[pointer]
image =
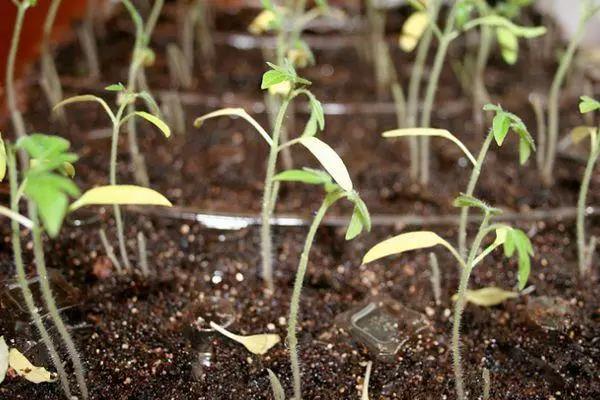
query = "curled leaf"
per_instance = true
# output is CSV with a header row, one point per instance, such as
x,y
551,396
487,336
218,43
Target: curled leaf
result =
x,y
488,297
403,243
256,344
330,160
235,112
121,195
26,369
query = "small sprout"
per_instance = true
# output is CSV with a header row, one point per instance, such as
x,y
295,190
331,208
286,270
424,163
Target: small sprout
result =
x,y
276,387
3,358
256,344
121,195
365,391
26,369
488,296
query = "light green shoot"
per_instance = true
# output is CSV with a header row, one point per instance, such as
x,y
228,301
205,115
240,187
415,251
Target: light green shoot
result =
x,y
118,119
585,251
510,238
336,189
550,138
282,76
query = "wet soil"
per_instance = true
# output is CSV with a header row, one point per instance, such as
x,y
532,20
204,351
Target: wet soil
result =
x,y
133,332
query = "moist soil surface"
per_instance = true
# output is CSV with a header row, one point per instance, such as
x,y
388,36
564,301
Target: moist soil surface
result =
x,y
135,334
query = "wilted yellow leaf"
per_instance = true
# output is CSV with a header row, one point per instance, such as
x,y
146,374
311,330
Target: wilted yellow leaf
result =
x,y
488,297
121,195
262,22
27,370
256,344
412,30
403,243
330,160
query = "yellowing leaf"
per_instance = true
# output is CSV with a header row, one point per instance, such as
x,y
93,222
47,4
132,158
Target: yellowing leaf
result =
x,y
581,132
431,132
256,344
403,243
412,30
3,358
330,160
159,123
282,88
489,296
121,195
85,98
235,112
26,369
262,22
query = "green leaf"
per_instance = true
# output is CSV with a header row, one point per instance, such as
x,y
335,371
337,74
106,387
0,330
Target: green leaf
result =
x,y
361,207
267,4
509,45
330,160
317,110
500,127
403,243
518,240
2,159
311,126
86,98
164,128
276,386
41,146
355,226
273,77
115,87
322,4
501,22
465,200
489,296
524,151
306,175
587,104
463,13
121,195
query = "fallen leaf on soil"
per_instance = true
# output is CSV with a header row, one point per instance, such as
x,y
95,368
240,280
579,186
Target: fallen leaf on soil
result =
x,y
3,358
489,296
256,344
26,369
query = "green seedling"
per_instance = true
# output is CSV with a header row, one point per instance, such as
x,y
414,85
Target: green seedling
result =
x,y
548,140
256,344
87,38
510,238
503,122
365,391
384,74
337,185
50,80
142,57
284,77
47,186
586,251
421,26
276,386
118,119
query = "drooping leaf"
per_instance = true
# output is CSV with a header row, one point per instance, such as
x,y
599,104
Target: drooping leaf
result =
x,y
330,160
431,132
121,195
581,132
509,45
465,200
403,243
355,226
86,98
588,104
159,123
256,344
306,175
499,21
488,296
413,30
26,369
518,240
235,112
276,386
3,358
115,87
500,127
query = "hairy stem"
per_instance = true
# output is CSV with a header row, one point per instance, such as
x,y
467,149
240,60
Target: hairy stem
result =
x,y
267,207
22,278
292,340
585,184
42,272
479,90
464,212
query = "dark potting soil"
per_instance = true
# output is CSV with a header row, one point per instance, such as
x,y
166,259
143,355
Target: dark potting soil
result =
x,y
133,333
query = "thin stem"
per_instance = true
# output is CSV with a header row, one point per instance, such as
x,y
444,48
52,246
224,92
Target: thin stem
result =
x,y
479,90
292,340
109,251
42,272
11,99
143,254
464,212
22,278
267,207
555,91
582,252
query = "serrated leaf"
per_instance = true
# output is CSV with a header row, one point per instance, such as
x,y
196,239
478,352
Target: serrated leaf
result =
x,y
273,77
26,369
489,296
509,45
355,225
3,358
121,195
41,146
465,200
256,344
588,104
159,123
330,160
413,30
276,386
310,176
403,243
431,132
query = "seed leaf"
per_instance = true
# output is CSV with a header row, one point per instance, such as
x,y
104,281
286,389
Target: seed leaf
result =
x,y
121,195
509,45
276,386
3,358
85,98
256,344
413,30
26,369
403,243
235,112
159,123
498,21
355,226
2,159
587,104
330,160
272,78
306,175
489,296
115,87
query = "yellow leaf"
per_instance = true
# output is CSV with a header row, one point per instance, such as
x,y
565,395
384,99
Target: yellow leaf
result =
x,y
509,44
159,123
431,132
235,112
3,358
2,159
488,297
26,369
412,30
261,23
579,133
121,195
256,344
282,88
330,160
403,243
